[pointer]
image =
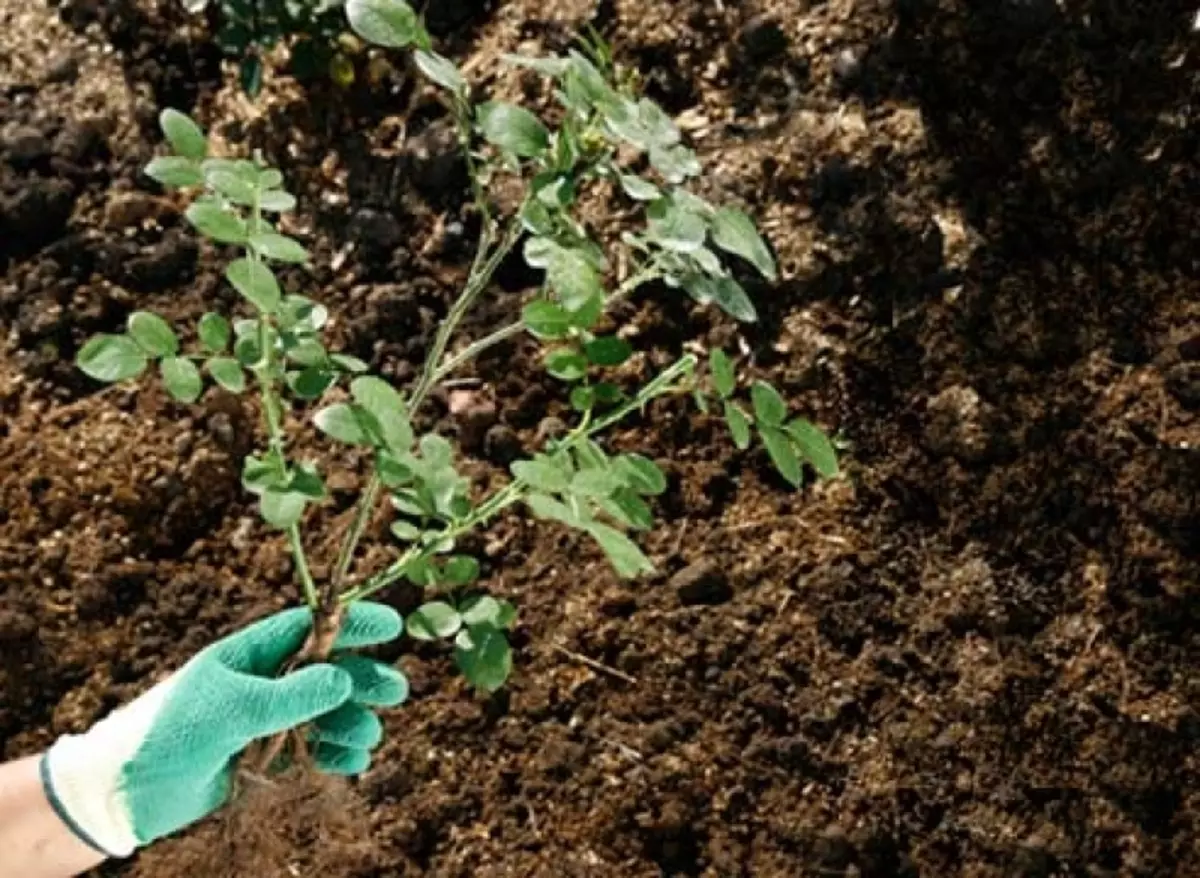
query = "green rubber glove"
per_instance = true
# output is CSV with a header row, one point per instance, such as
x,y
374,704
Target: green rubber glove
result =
x,y
166,760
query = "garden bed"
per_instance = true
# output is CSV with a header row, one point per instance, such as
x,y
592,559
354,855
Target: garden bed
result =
x,y
975,653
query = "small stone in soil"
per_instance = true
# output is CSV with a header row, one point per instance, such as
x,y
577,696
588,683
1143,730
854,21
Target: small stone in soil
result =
x,y
24,146
501,444
701,583
63,68
762,39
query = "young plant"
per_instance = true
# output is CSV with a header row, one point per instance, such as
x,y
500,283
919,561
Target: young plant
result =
x,y
276,346
313,30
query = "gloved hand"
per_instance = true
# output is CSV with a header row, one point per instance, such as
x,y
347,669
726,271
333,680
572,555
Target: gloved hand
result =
x,y
167,759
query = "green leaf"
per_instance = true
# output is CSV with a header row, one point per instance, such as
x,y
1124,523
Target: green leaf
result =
x,y
725,292
723,375
182,379
676,163
629,509
154,334
541,475
674,227
216,222
583,398
227,372
483,655
277,201
259,476
608,350
215,332
769,408
341,422
282,508
111,358
574,278
461,570
256,282
739,425
783,455
623,553
394,474
348,363
814,446
405,531
642,474
589,455
312,381
553,510
281,248
306,480
389,23
184,135
247,350
437,450
484,610
420,572
304,351
639,189
734,232
546,320
174,171
513,129
234,186
566,364
388,408
595,483
250,75
440,70
433,620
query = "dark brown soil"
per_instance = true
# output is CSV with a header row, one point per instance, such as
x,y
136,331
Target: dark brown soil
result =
x,y
977,654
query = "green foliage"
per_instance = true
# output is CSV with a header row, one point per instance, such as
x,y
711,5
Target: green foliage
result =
x,y
607,141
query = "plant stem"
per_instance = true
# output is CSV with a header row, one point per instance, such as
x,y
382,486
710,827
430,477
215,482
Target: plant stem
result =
x,y
513,492
264,371
651,271
487,260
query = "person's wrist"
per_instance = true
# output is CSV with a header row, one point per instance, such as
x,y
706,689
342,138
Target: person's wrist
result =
x,y
82,775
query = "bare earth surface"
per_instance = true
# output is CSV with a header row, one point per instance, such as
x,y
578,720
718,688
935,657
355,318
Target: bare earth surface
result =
x,y
977,654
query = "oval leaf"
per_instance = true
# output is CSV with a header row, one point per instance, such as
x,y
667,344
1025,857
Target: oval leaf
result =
x,y
541,475
182,379
461,570
814,446
174,171
642,474
513,129
769,407
724,292
389,23
566,364
783,455
433,620
723,375
111,358
215,332
623,553
388,408
484,657
154,334
227,372
734,232
277,201
184,135
214,221
281,248
339,421
546,320
441,70
282,508
608,351
256,282
739,425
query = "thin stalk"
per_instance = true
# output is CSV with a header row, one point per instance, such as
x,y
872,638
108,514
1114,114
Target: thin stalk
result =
x,y
514,491
265,373
482,269
649,272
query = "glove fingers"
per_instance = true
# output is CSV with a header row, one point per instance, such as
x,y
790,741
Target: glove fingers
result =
x,y
350,726
375,683
262,647
335,759
272,706
368,623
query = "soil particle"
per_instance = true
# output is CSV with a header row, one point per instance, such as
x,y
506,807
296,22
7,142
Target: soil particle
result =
x,y
701,583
